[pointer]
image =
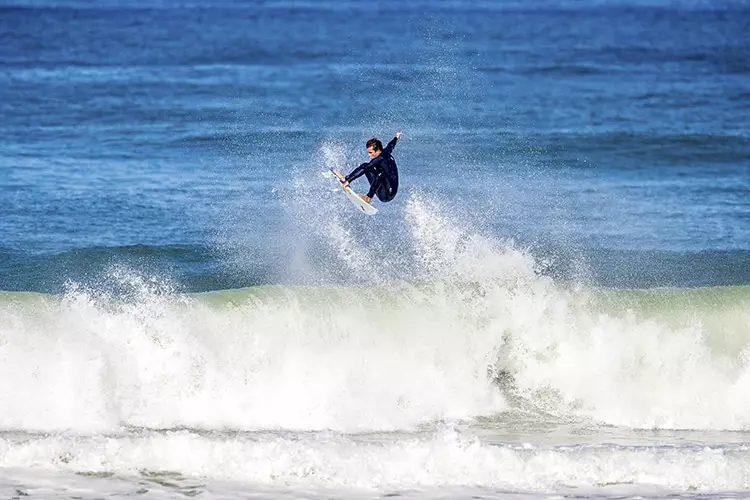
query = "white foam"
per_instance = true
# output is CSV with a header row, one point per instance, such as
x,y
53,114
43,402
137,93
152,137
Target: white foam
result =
x,y
169,361
385,356
442,460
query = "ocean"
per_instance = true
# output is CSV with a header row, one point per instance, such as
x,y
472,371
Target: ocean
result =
x,y
555,305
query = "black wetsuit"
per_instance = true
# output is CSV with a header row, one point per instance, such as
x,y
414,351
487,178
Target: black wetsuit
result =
x,y
382,174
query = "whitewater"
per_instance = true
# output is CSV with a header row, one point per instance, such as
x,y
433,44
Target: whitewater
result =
x,y
483,376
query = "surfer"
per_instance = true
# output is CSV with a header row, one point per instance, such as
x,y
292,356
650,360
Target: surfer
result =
x,y
381,171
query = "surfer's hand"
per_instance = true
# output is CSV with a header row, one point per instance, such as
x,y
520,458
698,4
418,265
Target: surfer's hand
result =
x,y
345,184
399,134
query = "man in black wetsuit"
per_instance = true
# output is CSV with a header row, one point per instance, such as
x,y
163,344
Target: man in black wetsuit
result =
x,y
381,171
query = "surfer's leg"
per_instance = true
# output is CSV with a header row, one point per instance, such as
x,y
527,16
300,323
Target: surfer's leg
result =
x,y
386,190
376,181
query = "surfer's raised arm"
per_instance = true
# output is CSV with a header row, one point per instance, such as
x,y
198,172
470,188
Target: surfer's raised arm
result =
x,y
389,147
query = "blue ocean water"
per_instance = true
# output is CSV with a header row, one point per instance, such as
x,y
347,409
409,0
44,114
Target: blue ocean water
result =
x,y
612,134
556,303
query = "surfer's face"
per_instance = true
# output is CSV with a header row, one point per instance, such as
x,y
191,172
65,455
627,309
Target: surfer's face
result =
x,y
373,153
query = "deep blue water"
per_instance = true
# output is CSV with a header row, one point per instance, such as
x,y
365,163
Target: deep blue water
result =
x,y
610,139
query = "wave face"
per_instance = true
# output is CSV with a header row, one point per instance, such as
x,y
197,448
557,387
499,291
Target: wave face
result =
x,y
491,335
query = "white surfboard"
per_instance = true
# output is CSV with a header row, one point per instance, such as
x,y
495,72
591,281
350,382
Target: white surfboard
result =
x,y
354,197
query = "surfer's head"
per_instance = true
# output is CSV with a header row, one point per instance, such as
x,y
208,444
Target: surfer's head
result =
x,y
374,148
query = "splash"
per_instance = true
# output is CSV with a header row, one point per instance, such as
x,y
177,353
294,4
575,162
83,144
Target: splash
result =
x,y
474,331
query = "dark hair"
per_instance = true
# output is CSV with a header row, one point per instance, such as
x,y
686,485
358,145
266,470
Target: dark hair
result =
x,y
375,144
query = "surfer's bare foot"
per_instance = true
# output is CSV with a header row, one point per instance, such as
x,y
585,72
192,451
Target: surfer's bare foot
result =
x,y
365,197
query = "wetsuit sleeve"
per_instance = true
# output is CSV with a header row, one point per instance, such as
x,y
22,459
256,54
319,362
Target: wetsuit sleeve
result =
x,y
360,170
389,147
357,172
